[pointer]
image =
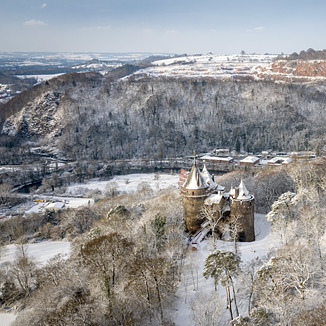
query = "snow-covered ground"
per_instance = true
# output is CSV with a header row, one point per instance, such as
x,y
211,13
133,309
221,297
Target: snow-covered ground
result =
x,y
39,78
127,183
211,65
124,184
70,202
6,319
195,261
40,252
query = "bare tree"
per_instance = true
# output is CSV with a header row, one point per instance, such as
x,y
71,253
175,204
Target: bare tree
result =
x,y
111,189
5,192
23,270
287,283
214,215
207,309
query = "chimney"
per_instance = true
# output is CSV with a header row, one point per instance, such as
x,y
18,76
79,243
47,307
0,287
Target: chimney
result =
x,y
236,192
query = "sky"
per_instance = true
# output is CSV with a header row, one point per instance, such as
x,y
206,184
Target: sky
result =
x,y
162,26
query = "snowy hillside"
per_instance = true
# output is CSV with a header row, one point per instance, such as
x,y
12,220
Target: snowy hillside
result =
x,y
211,65
236,66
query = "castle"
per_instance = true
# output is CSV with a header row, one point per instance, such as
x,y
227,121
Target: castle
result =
x,y
199,190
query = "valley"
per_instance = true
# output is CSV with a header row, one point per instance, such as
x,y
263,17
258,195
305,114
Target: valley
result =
x,y
98,149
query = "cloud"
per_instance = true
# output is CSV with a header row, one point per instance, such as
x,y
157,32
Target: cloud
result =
x,y
34,22
44,5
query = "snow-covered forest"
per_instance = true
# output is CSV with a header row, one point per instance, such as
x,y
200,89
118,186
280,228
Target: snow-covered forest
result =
x,y
130,262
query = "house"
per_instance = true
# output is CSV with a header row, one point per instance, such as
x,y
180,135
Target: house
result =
x,y
217,159
250,160
56,206
279,160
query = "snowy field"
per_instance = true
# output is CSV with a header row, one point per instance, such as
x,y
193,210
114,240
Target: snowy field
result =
x,y
7,318
194,265
127,183
39,78
124,184
40,252
211,65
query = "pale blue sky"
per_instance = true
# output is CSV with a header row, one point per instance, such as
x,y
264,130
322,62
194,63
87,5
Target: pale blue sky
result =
x,y
180,26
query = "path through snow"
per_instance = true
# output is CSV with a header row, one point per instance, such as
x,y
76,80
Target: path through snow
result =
x,y
195,261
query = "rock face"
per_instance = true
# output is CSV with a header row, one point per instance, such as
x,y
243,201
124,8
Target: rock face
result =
x,y
91,116
299,68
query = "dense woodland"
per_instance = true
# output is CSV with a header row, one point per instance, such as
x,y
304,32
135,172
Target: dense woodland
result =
x,y
88,116
128,257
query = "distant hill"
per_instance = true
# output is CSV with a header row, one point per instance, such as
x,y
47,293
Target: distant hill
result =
x,y
163,111
310,54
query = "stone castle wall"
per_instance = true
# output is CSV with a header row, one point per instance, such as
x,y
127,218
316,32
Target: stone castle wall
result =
x,y
244,209
193,201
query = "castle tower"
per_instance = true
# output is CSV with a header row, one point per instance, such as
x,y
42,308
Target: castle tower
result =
x,y
242,208
195,190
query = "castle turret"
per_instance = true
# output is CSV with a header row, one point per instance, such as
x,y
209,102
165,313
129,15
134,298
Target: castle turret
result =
x,y
195,191
210,181
242,209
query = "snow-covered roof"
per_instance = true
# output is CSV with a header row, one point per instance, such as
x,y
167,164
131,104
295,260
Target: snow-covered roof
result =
x,y
287,160
195,179
280,159
56,205
232,192
216,158
250,159
213,199
243,192
209,180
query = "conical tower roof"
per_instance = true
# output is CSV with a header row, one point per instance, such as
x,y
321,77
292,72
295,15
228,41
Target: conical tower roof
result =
x,y
195,179
209,180
207,176
243,192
